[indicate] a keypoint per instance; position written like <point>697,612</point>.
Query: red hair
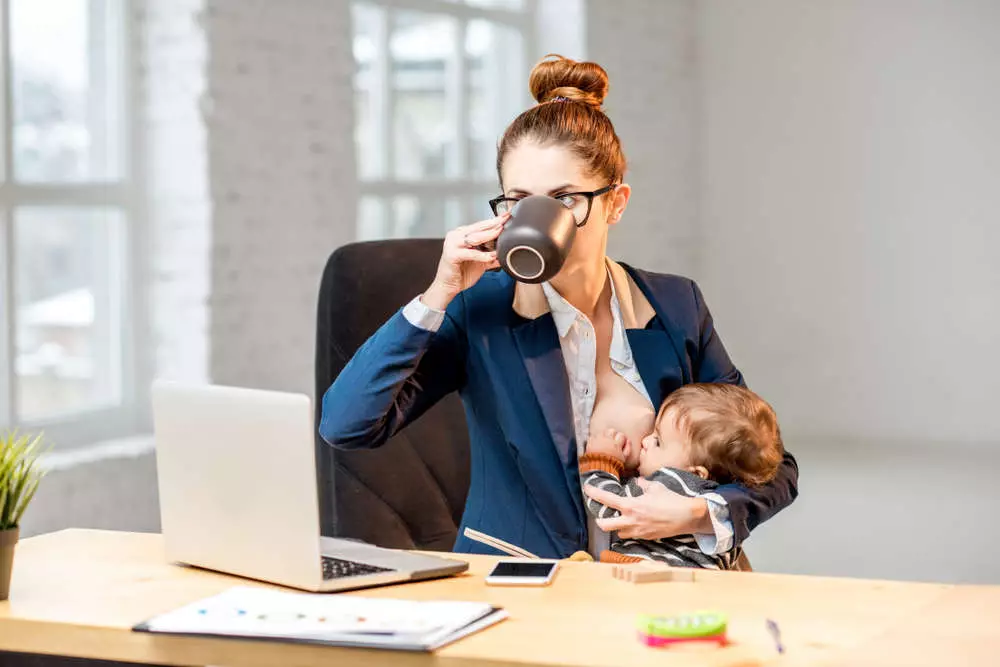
<point>568,113</point>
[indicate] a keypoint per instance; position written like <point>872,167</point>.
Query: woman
<point>539,367</point>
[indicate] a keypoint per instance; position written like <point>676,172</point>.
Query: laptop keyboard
<point>335,568</point>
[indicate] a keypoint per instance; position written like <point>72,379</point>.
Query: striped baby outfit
<point>605,472</point>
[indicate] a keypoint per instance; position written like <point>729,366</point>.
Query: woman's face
<point>534,169</point>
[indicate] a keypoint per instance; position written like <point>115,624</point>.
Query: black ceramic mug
<point>536,239</point>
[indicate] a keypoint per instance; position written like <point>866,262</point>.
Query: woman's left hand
<point>658,513</point>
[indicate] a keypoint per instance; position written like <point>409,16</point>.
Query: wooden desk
<point>78,592</point>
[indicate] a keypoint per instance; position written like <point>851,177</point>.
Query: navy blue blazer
<point>509,371</point>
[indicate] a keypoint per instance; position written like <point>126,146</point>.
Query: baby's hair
<point>734,432</point>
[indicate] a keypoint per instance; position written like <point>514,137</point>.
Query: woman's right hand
<point>463,261</point>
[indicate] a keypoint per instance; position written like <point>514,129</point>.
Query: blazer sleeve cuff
<point>739,512</point>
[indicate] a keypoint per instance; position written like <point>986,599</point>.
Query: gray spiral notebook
<point>245,612</point>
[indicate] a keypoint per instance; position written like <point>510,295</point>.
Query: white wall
<point>849,211</point>
<point>649,53</point>
<point>849,219</point>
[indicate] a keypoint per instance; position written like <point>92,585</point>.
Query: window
<point>435,85</point>
<point>66,222</point>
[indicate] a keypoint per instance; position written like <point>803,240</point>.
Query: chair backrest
<point>409,493</point>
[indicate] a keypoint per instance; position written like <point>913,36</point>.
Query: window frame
<point>389,188</point>
<point>130,415</point>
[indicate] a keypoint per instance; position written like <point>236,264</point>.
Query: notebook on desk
<point>264,614</point>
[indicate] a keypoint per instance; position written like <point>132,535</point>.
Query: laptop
<point>236,470</point>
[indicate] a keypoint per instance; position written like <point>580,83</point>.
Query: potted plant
<point>20,473</point>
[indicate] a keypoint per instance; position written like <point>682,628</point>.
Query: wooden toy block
<point>648,572</point>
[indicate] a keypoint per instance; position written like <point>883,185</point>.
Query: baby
<point>704,435</point>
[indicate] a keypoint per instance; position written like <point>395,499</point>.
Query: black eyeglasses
<point>574,201</point>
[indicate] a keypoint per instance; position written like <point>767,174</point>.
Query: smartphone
<point>534,572</point>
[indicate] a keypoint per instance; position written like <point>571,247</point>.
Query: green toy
<point>696,626</point>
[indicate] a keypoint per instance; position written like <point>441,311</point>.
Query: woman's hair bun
<point>556,76</point>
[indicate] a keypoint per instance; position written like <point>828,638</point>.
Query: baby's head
<point>721,432</point>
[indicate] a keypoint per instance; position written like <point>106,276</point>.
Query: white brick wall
<point>171,53</point>
<point>246,119</point>
<point>649,53</point>
<point>279,118</point>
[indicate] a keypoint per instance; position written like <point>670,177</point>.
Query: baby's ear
<point>701,471</point>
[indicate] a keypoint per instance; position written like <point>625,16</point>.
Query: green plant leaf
<point>29,494</point>
<point>3,505</point>
<point>20,475</point>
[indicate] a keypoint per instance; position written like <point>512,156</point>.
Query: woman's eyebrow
<point>565,187</point>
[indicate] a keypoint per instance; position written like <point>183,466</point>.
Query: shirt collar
<point>619,344</point>
<point>565,314</point>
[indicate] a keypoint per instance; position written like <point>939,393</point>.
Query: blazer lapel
<point>663,324</point>
<point>656,361</point>
<point>537,340</point>
<point>538,343</point>
<point>653,347</point>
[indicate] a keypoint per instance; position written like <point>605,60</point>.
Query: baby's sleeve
<point>602,472</point>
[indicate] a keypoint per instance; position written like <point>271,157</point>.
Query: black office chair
<point>409,493</point>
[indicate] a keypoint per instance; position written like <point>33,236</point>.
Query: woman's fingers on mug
<point>473,255</point>
<point>484,225</point>
<point>473,239</point>
<point>475,234</point>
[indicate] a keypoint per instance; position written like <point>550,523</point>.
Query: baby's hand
<point>611,443</point>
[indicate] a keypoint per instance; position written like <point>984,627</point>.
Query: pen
<point>776,635</point>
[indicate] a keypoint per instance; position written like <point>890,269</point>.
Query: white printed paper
<point>348,620</point>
